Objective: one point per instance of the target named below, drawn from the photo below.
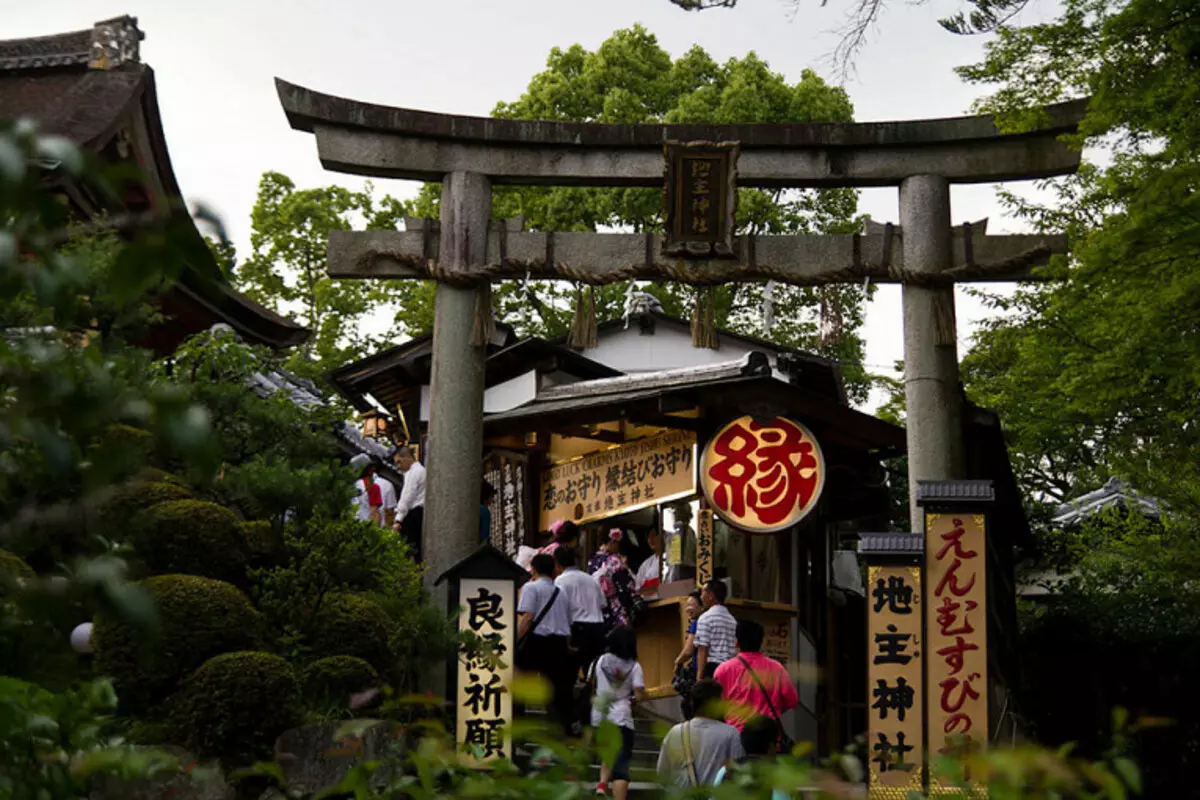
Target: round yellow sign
(763, 478)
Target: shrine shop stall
(745, 463)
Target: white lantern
(81, 638)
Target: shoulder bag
(522, 660)
(786, 743)
(688, 755)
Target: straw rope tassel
(704, 328)
(484, 327)
(583, 322)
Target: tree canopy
(1098, 372)
(630, 78)
(286, 270)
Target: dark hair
(622, 643)
(750, 635)
(486, 492)
(718, 588)
(760, 736)
(569, 532)
(705, 694)
(696, 596)
(566, 556)
(543, 564)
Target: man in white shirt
(586, 600)
(649, 574)
(410, 508)
(543, 630)
(716, 631)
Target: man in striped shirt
(716, 631)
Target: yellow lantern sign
(763, 477)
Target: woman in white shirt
(619, 683)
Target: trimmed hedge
(329, 682)
(192, 537)
(115, 515)
(235, 706)
(264, 547)
(198, 618)
(353, 625)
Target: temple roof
(91, 87)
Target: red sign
(763, 478)
(957, 631)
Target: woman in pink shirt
(755, 684)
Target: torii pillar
(468, 154)
(931, 393)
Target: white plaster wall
(667, 348)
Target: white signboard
(484, 703)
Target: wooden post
(895, 653)
(956, 616)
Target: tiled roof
(1115, 493)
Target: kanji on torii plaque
(470, 154)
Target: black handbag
(522, 658)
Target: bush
(156, 475)
(198, 618)
(114, 516)
(352, 625)
(13, 565)
(192, 537)
(235, 706)
(264, 547)
(329, 682)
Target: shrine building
(616, 435)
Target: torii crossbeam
(470, 154)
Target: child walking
(619, 683)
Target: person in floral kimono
(615, 579)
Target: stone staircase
(647, 734)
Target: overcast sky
(215, 62)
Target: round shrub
(352, 625)
(193, 537)
(264, 547)
(116, 513)
(329, 682)
(198, 618)
(156, 475)
(235, 706)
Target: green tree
(1098, 372)
(630, 78)
(286, 269)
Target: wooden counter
(661, 636)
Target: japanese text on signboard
(484, 705)
(956, 620)
(507, 506)
(633, 475)
(895, 750)
(704, 547)
(700, 198)
(763, 477)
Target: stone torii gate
(470, 154)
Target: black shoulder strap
(763, 689)
(541, 616)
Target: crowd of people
(577, 629)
